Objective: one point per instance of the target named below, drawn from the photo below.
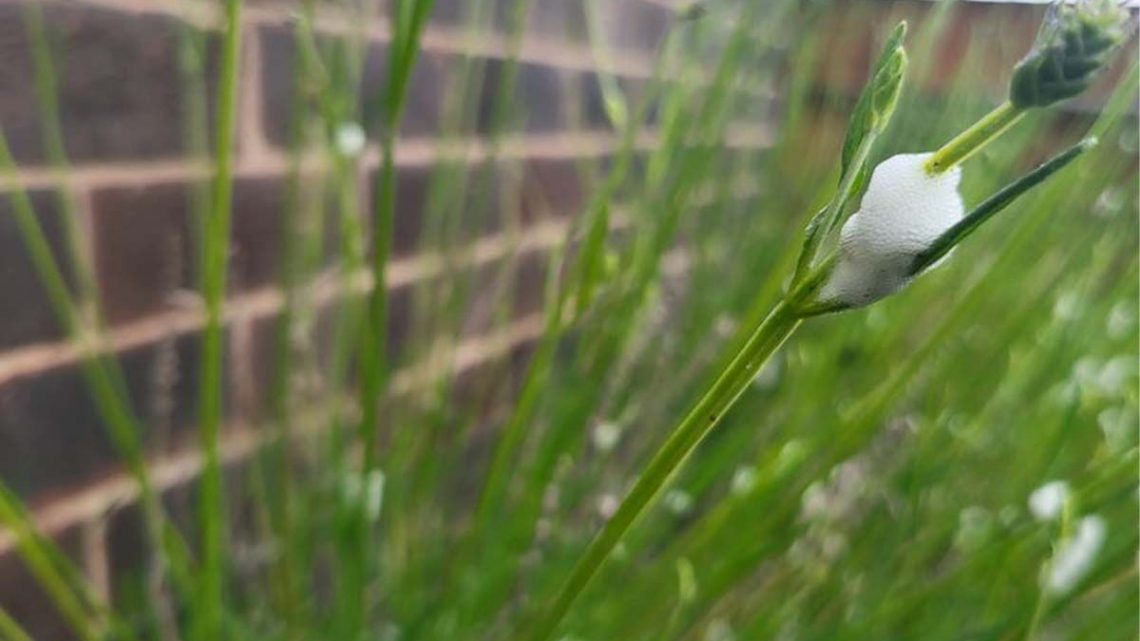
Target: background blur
(872, 484)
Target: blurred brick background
(132, 179)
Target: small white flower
(1121, 319)
(1066, 307)
(1076, 555)
(903, 211)
(743, 480)
(679, 502)
(1114, 377)
(369, 493)
(1118, 424)
(349, 139)
(1047, 501)
(724, 326)
(605, 436)
(373, 494)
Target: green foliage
(870, 481)
(877, 101)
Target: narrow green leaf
(879, 97)
(996, 203)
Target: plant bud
(1074, 43)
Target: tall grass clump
(726, 419)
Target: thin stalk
(409, 25)
(63, 583)
(10, 630)
(973, 139)
(47, 94)
(597, 225)
(701, 419)
(409, 20)
(80, 314)
(279, 506)
(215, 252)
(99, 374)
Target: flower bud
(904, 210)
(1074, 43)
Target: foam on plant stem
(903, 211)
(1047, 501)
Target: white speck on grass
(1119, 427)
(678, 502)
(1113, 377)
(1121, 319)
(743, 480)
(719, 630)
(724, 326)
(769, 376)
(1110, 202)
(349, 139)
(391, 632)
(374, 494)
(903, 211)
(605, 436)
(607, 505)
(1076, 555)
(1047, 501)
(369, 494)
(1065, 309)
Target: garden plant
(733, 421)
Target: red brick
(120, 94)
(552, 187)
(28, 314)
(536, 105)
(145, 248)
(321, 346)
(422, 110)
(635, 24)
(414, 187)
(561, 19)
(52, 438)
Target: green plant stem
(973, 139)
(61, 581)
(215, 252)
(700, 420)
(10, 630)
(409, 24)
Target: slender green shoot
(975, 138)
(215, 254)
